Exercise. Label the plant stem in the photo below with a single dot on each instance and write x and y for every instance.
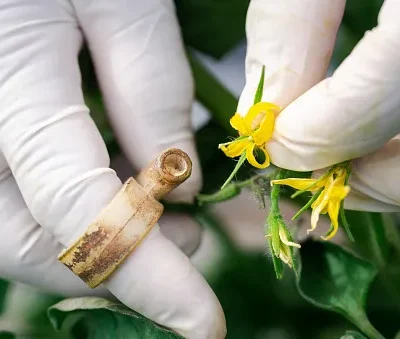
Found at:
(363, 323)
(275, 190)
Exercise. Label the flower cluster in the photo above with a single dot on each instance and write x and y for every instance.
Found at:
(255, 129)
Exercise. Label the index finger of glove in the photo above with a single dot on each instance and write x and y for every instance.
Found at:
(294, 40)
(145, 78)
(351, 114)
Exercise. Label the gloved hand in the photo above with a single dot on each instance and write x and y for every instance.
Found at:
(54, 165)
(353, 114)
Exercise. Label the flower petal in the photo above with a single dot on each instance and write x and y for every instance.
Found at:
(264, 132)
(238, 124)
(339, 192)
(235, 148)
(252, 159)
(333, 211)
(256, 110)
(285, 240)
(318, 207)
(298, 183)
(284, 256)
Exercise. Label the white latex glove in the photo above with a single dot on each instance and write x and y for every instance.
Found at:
(352, 114)
(53, 154)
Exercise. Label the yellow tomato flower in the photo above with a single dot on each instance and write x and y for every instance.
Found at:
(255, 129)
(328, 201)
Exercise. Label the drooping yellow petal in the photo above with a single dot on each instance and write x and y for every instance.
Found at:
(329, 202)
(235, 148)
(299, 183)
(333, 211)
(252, 159)
(237, 122)
(318, 207)
(285, 240)
(264, 132)
(257, 112)
(337, 192)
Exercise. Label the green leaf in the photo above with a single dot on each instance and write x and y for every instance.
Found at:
(380, 246)
(3, 291)
(375, 238)
(336, 280)
(7, 335)
(212, 27)
(370, 239)
(99, 318)
(352, 335)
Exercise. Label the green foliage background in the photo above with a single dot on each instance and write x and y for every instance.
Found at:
(338, 289)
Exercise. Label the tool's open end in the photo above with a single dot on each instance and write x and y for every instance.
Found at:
(174, 165)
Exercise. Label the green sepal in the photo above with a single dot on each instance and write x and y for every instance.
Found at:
(235, 170)
(274, 235)
(342, 214)
(260, 87)
(345, 223)
(278, 267)
(331, 228)
(309, 203)
(242, 137)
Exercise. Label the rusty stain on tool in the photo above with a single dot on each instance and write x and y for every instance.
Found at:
(126, 221)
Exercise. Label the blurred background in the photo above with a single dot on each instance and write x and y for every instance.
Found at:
(233, 254)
